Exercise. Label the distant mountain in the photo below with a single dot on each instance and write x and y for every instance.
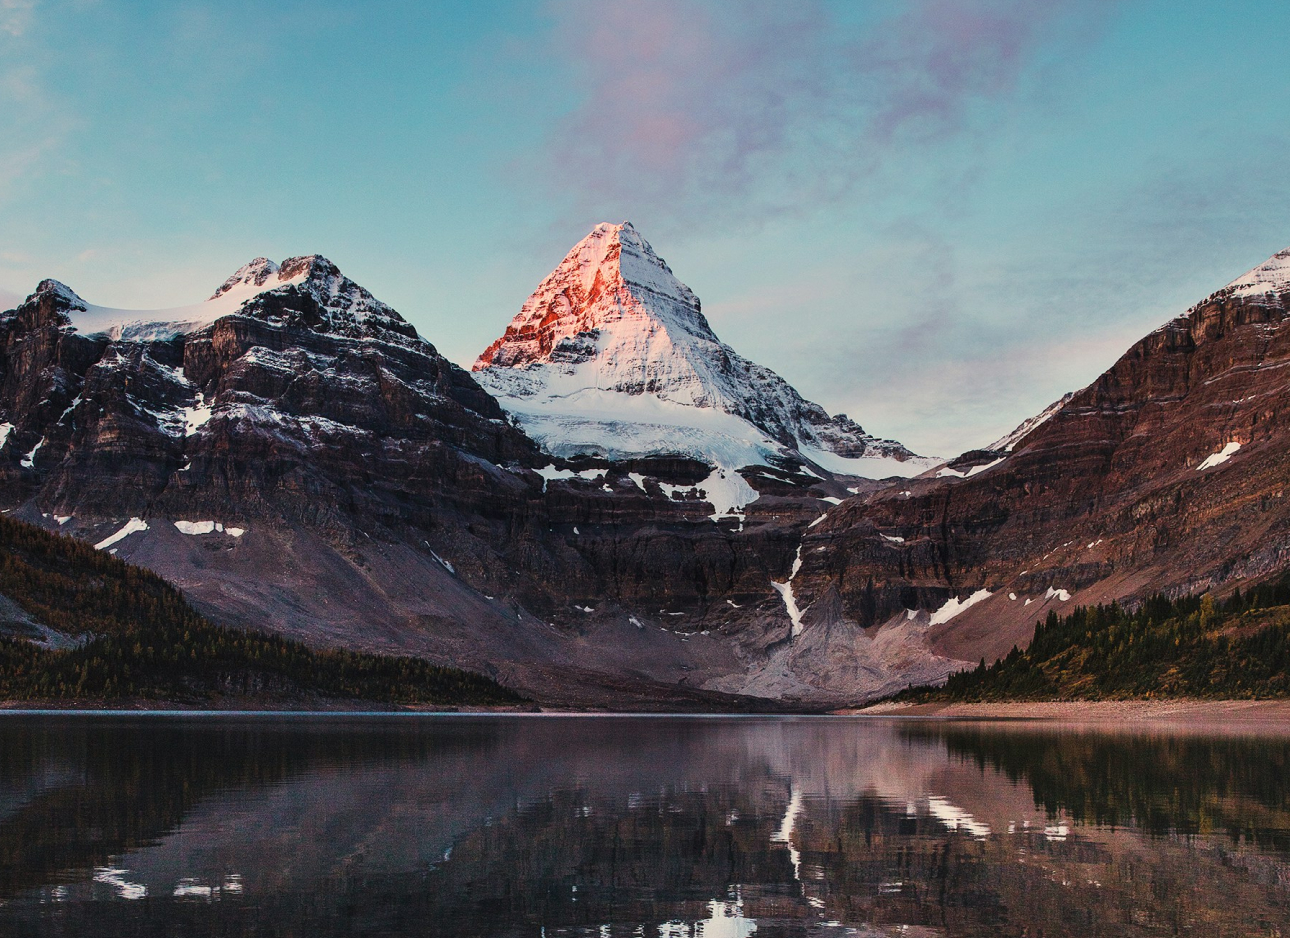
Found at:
(612, 355)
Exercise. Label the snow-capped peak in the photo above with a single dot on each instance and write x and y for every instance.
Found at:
(65, 294)
(612, 355)
(1272, 276)
(253, 274)
(346, 308)
(610, 275)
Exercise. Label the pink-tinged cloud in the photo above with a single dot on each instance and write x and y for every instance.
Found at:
(762, 106)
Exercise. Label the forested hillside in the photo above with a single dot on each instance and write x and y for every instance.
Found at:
(137, 638)
(1190, 647)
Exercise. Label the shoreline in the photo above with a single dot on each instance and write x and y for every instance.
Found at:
(1209, 714)
(1103, 714)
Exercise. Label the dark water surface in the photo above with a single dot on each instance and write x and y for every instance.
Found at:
(609, 826)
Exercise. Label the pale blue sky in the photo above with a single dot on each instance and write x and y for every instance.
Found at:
(935, 215)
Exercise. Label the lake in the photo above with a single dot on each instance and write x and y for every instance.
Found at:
(272, 825)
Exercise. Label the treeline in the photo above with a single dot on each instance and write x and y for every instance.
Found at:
(1189, 647)
(143, 640)
(1168, 785)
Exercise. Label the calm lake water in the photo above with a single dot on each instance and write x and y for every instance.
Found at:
(613, 826)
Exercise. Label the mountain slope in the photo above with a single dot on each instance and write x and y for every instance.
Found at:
(126, 633)
(612, 355)
(1192, 647)
(1166, 474)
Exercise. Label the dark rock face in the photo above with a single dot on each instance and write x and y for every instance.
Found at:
(289, 404)
(1105, 500)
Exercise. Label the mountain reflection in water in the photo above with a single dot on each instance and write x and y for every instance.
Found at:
(609, 826)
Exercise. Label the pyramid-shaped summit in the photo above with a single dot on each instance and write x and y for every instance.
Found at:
(612, 355)
(611, 275)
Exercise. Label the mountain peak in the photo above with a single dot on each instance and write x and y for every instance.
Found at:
(612, 355)
(256, 273)
(64, 294)
(612, 274)
(1270, 277)
(263, 274)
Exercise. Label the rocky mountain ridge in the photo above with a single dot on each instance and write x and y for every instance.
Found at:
(294, 456)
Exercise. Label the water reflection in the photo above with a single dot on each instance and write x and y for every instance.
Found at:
(634, 826)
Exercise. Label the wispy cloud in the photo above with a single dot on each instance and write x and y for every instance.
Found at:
(35, 122)
(687, 105)
(16, 16)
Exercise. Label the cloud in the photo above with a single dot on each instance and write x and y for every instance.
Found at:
(686, 108)
(16, 16)
(36, 123)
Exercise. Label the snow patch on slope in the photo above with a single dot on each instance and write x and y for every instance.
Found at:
(130, 527)
(785, 590)
(207, 527)
(29, 461)
(197, 416)
(1217, 459)
(953, 606)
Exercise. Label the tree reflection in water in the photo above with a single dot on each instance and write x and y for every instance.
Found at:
(358, 825)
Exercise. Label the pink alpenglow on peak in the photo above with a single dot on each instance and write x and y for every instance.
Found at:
(610, 275)
(612, 355)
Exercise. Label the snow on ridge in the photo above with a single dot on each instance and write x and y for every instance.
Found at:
(1272, 276)
(1008, 442)
(345, 303)
(1217, 459)
(159, 324)
(5, 429)
(1062, 596)
(870, 467)
(130, 527)
(953, 606)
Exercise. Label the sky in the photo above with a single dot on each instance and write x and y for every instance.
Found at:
(936, 216)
